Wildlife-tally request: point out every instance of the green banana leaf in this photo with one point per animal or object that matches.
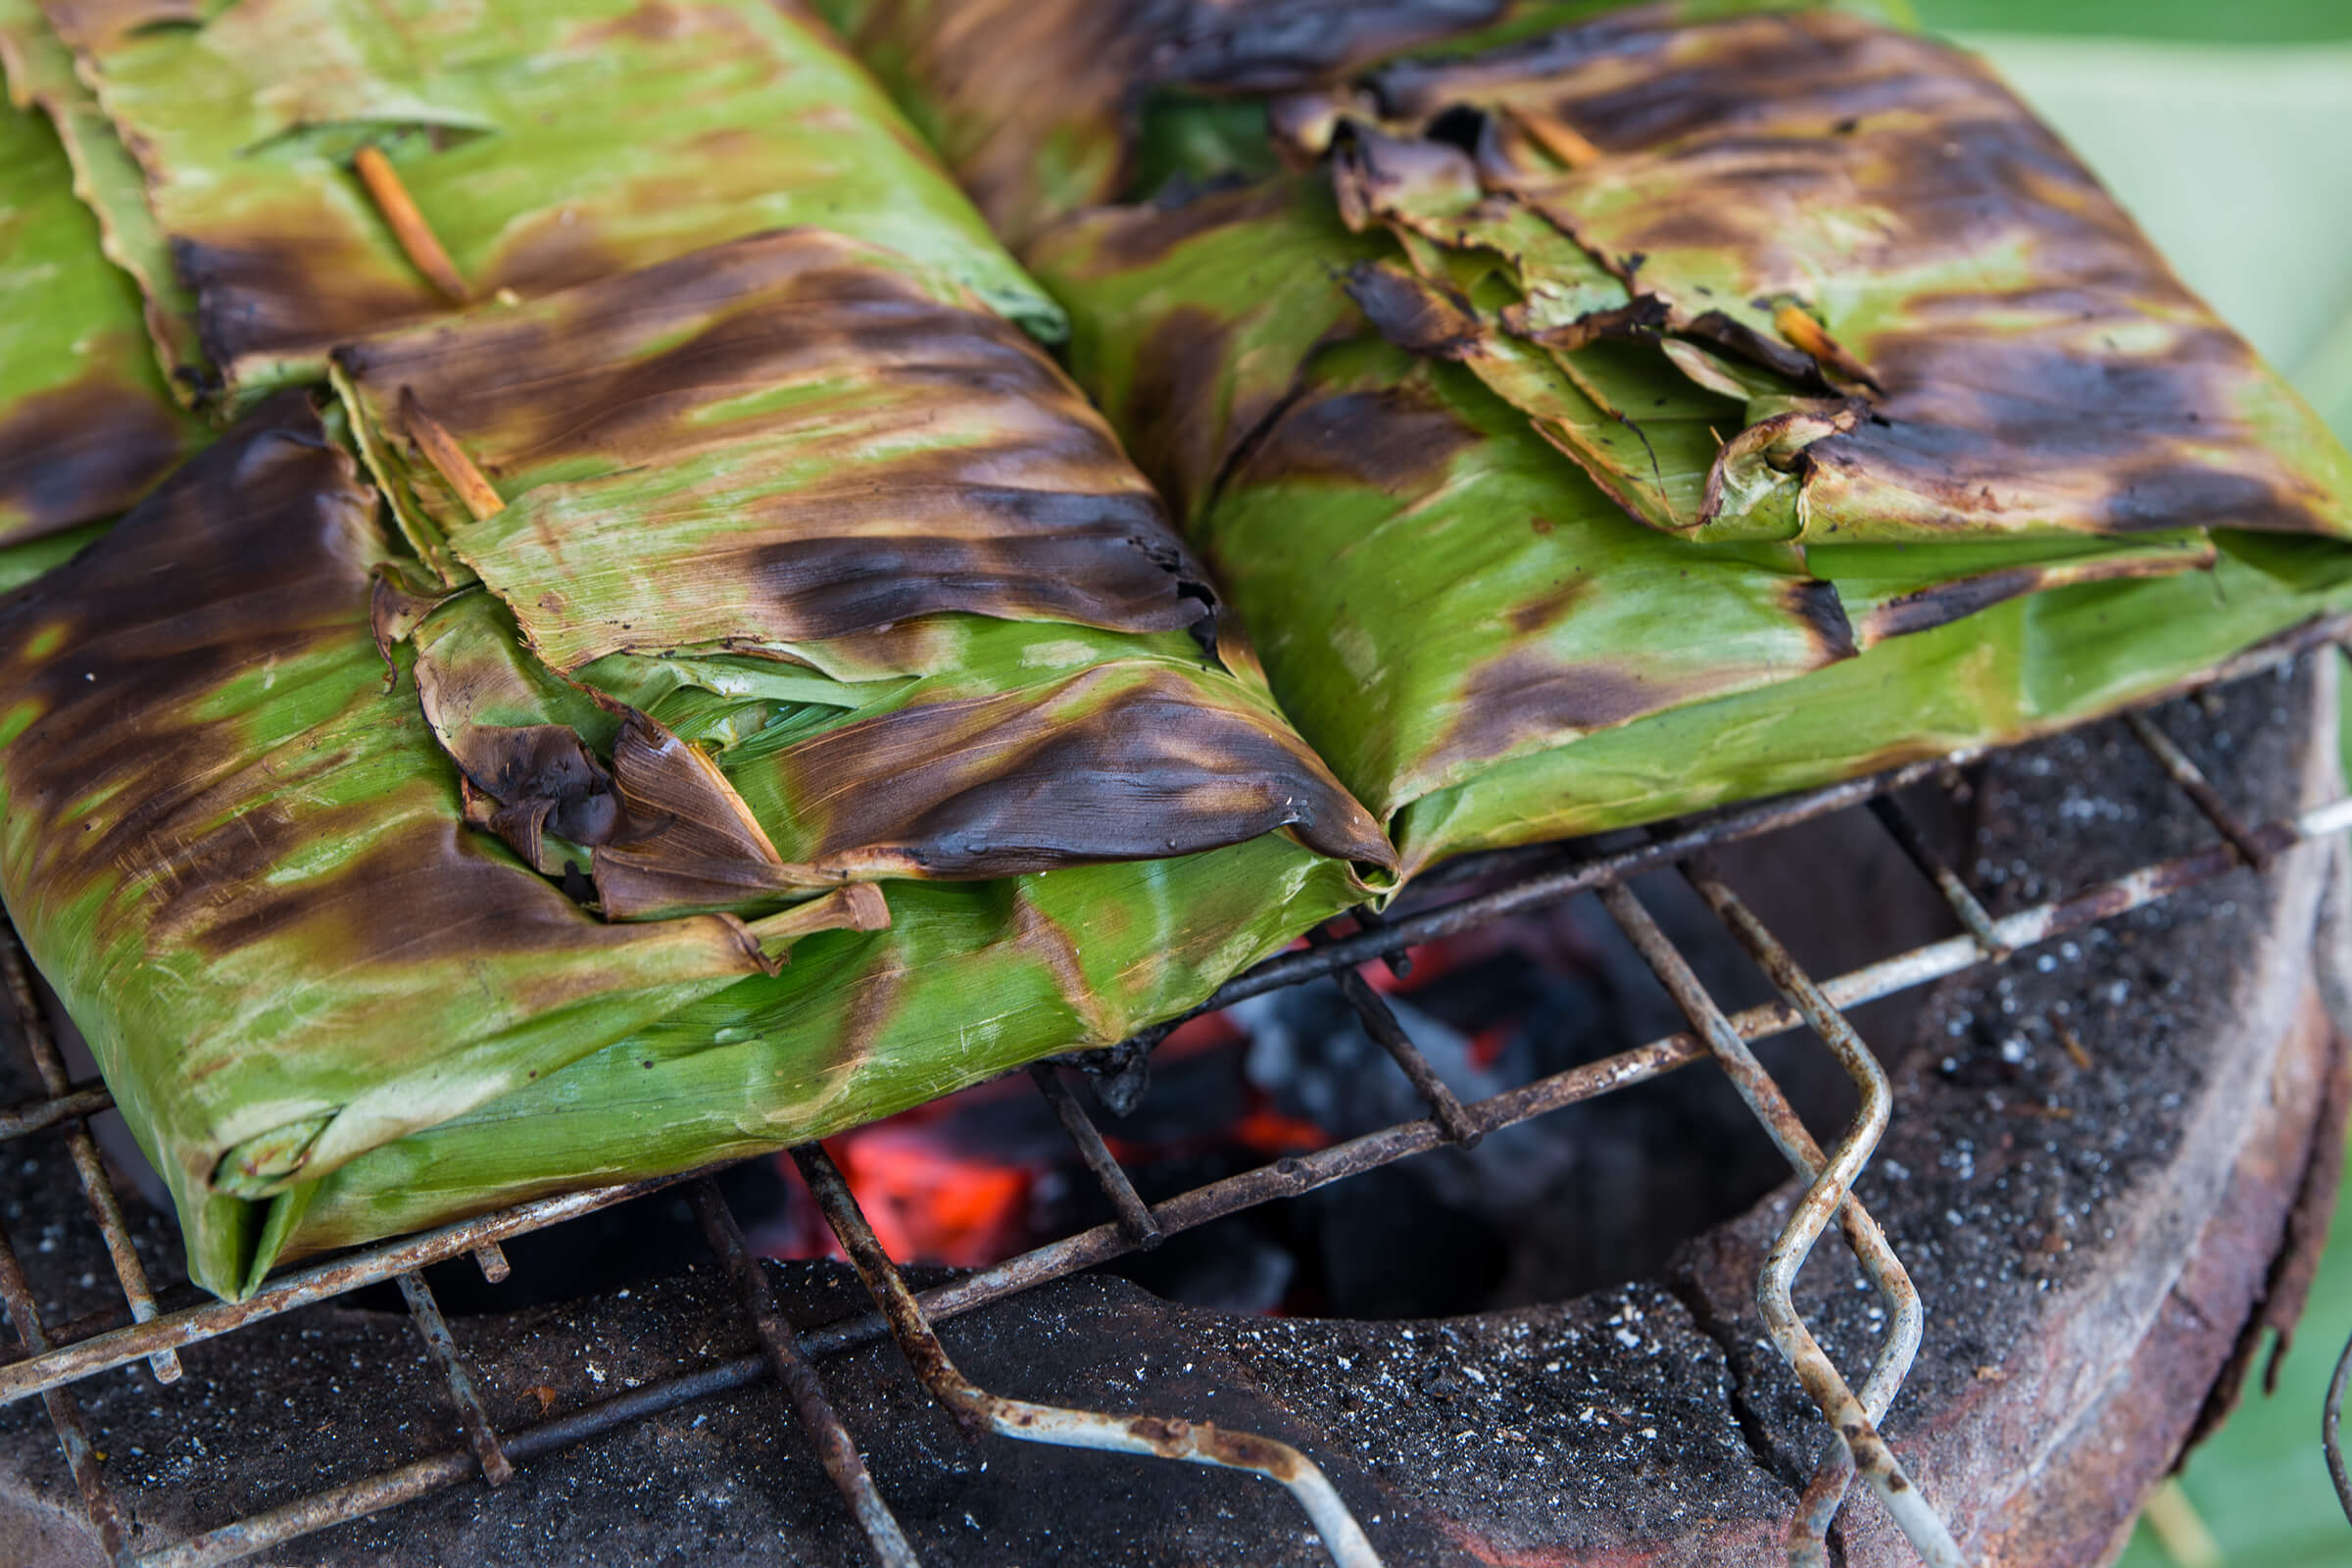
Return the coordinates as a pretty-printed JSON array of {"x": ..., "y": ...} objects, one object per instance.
[
  {"x": 651, "y": 1103},
  {"x": 542, "y": 145},
  {"x": 972, "y": 979},
  {"x": 2026, "y": 666},
  {"x": 39, "y": 69},
  {"x": 1928, "y": 321},
  {"x": 1541, "y": 613},
  {"x": 1047, "y": 107},
  {"x": 1436, "y": 593},
  {"x": 260, "y": 901},
  {"x": 86, "y": 423},
  {"x": 808, "y": 574}
]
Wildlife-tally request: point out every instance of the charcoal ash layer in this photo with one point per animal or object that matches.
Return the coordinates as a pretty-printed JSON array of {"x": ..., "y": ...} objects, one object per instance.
[{"x": 1601, "y": 1427}]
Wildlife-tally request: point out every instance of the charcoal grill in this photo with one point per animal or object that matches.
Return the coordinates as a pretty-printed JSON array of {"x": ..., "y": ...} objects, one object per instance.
[{"x": 1294, "y": 1395}]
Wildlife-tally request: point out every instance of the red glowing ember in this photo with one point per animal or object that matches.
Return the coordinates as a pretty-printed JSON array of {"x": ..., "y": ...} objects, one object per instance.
[{"x": 965, "y": 1181}]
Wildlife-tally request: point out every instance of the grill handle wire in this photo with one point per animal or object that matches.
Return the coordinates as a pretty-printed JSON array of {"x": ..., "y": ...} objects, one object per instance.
[
  {"x": 1870, "y": 1244},
  {"x": 836, "y": 1449},
  {"x": 1853, "y": 1418},
  {"x": 977, "y": 1410}
]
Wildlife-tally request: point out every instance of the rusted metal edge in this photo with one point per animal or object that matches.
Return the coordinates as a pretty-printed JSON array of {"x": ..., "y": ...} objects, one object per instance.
[
  {"x": 2185, "y": 772},
  {"x": 836, "y": 1449},
  {"x": 1972, "y": 914},
  {"x": 481, "y": 1436},
  {"x": 84, "y": 1100},
  {"x": 975, "y": 1408},
  {"x": 1135, "y": 1217},
  {"x": 112, "y": 1348},
  {"x": 422, "y": 1478},
  {"x": 1372, "y": 1010},
  {"x": 81, "y": 1459},
  {"x": 2331, "y": 1439}
]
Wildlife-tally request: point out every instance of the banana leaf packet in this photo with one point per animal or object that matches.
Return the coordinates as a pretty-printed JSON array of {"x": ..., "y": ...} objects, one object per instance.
[
  {"x": 1552, "y": 514},
  {"x": 416, "y": 798},
  {"x": 366, "y": 911}
]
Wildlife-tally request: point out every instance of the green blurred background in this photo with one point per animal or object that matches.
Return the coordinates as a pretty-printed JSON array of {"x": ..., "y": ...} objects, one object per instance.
[{"x": 2226, "y": 127}]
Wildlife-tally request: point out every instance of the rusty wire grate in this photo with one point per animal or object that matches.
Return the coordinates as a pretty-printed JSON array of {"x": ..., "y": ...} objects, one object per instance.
[{"x": 53, "y": 1357}]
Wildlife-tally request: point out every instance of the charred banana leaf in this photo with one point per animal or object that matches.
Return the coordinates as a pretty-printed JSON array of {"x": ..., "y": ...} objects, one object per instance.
[
  {"x": 319, "y": 169},
  {"x": 258, "y": 897},
  {"x": 742, "y": 602},
  {"x": 1043, "y": 107},
  {"x": 1487, "y": 499},
  {"x": 859, "y": 539},
  {"x": 1917, "y": 317}
]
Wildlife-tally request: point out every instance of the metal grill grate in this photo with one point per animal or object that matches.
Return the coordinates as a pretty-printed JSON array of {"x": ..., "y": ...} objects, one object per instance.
[{"x": 52, "y": 1357}]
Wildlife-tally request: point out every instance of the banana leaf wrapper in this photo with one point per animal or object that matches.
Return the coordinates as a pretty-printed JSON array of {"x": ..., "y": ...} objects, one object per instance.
[
  {"x": 1437, "y": 594},
  {"x": 86, "y": 423},
  {"x": 655, "y": 1102},
  {"x": 1901, "y": 310},
  {"x": 2025, "y": 666},
  {"x": 538, "y": 145},
  {"x": 809, "y": 574},
  {"x": 868, "y": 543},
  {"x": 242, "y": 865}
]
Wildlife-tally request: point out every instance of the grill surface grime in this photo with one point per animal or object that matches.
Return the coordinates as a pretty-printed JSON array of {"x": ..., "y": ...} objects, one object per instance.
[{"x": 2046, "y": 1206}]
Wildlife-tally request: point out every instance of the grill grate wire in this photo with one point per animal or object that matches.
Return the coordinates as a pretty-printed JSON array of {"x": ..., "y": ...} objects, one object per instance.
[{"x": 53, "y": 1357}]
